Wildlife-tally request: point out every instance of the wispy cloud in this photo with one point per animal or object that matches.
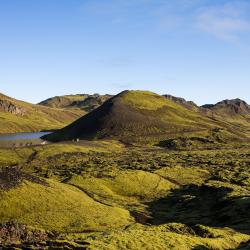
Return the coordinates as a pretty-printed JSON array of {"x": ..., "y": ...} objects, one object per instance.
[{"x": 228, "y": 22}]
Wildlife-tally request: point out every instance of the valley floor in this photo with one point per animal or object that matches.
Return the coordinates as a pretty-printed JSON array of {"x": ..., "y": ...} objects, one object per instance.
[{"x": 104, "y": 195}]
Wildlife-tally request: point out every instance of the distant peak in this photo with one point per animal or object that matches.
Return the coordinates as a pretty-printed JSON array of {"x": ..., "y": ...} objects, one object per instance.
[
  {"x": 86, "y": 102},
  {"x": 236, "y": 101},
  {"x": 232, "y": 106}
]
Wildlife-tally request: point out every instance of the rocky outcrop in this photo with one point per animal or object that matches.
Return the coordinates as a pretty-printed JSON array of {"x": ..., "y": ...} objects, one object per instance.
[
  {"x": 187, "y": 104},
  {"x": 11, "y": 177},
  {"x": 11, "y": 232},
  {"x": 9, "y": 107}
]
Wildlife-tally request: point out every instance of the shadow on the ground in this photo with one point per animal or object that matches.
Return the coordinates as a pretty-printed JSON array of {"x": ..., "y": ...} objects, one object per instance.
[
  {"x": 244, "y": 246},
  {"x": 200, "y": 248},
  {"x": 203, "y": 205}
]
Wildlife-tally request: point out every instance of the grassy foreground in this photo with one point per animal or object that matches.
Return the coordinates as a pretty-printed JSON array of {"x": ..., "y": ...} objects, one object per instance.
[{"x": 103, "y": 195}]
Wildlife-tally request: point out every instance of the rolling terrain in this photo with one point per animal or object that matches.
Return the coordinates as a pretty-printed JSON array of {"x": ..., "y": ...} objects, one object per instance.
[
  {"x": 19, "y": 116},
  {"x": 148, "y": 172},
  {"x": 104, "y": 195}
]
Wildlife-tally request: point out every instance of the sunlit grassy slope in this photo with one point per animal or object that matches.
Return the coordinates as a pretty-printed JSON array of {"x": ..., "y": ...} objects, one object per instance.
[
  {"x": 124, "y": 188},
  {"x": 21, "y": 155},
  {"x": 59, "y": 207},
  {"x": 19, "y": 116}
]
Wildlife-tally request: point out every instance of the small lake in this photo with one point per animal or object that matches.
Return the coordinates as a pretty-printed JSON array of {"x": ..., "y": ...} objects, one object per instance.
[{"x": 22, "y": 136}]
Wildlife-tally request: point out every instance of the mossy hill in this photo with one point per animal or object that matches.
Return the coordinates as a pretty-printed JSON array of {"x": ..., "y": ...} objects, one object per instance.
[
  {"x": 19, "y": 116},
  {"x": 145, "y": 117}
]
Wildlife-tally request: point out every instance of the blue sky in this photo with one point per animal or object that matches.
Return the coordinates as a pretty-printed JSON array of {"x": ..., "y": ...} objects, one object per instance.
[{"x": 197, "y": 49}]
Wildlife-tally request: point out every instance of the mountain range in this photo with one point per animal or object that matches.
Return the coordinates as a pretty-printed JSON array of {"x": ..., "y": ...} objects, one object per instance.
[
  {"x": 131, "y": 116},
  {"x": 146, "y": 117}
]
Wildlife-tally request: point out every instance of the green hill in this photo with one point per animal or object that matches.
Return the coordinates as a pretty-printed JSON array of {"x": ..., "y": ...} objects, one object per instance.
[
  {"x": 141, "y": 116},
  {"x": 61, "y": 207},
  {"x": 19, "y": 116}
]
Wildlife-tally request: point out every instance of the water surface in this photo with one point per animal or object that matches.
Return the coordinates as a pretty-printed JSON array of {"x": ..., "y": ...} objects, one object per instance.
[{"x": 22, "y": 136}]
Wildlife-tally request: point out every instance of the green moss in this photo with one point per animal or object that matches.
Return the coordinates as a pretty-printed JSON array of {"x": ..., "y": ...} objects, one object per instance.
[
  {"x": 145, "y": 100},
  {"x": 160, "y": 237},
  {"x": 185, "y": 176},
  {"x": 124, "y": 187},
  {"x": 14, "y": 156},
  {"x": 9, "y": 156},
  {"x": 106, "y": 187},
  {"x": 81, "y": 147},
  {"x": 59, "y": 207}
]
